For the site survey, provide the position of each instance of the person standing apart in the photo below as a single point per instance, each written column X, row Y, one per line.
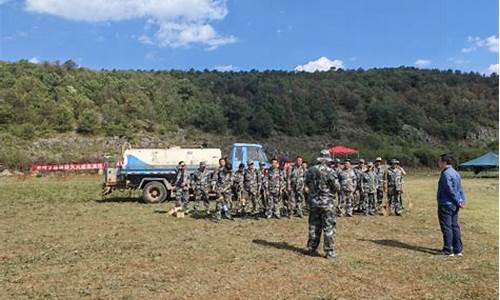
column 450, row 199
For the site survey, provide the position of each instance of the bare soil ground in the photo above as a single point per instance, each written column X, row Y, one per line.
column 59, row 241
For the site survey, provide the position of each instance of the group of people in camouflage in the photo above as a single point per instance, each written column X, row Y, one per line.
column 262, row 192
column 278, row 191
column 332, row 188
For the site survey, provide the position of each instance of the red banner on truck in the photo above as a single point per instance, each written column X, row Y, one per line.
column 68, row 167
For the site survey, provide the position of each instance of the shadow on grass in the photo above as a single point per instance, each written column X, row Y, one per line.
column 281, row 246
column 398, row 244
column 117, row 200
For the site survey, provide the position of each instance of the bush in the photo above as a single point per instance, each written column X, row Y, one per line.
column 90, row 122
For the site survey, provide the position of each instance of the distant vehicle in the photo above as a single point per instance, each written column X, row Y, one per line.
column 154, row 170
column 242, row 153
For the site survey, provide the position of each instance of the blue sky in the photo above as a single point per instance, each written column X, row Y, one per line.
column 253, row 34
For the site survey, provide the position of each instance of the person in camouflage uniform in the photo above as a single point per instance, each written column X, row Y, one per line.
column 238, row 189
column 369, row 189
column 222, row 183
column 380, row 174
column 322, row 185
column 338, row 167
column 275, row 186
column 263, row 188
column 286, row 196
column 297, row 179
column 200, row 181
column 358, row 200
column 348, row 185
column 251, row 184
column 394, row 186
column 182, row 184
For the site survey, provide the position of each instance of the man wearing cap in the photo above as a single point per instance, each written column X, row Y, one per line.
column 201, row 182
column 252, row 186
column 348, row 183
column 369, row 188
column 322, row 184
column 380, row 173
column 182, row 184
column 297, row 185
column 276, row 185
column 394, row 186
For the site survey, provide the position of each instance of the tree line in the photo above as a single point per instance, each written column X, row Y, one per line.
column 403, row 108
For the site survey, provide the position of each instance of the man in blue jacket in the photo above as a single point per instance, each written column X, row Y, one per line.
column 450, row 198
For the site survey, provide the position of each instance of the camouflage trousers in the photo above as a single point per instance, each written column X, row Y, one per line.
column 223, row 203
column 181, row 198
column 252, row 198
column 395, row 201
column 298, row 200
column 237, row 204
column 380, row 199
column 370, row 206
column 273, row 205
column 358, row 200
column 201, row 195
column 345, row 205
column 322, row 220
column 263, row 200
column 288, row 202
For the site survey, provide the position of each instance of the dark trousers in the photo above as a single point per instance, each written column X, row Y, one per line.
column 448, row 220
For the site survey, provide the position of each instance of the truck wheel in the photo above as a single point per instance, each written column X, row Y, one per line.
column 154, row 192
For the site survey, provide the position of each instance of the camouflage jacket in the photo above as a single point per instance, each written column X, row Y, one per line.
column 348, row 180
column 238, row 181
column 201, row 180
column 222, row 179
column 251, row 181
column 359, row 174
column 322, row 184
column 263, row 180
column 298, row 177
column 183, row 180
column 369, row 182
column 394, row 179
column 275, row 181
column 380, row 176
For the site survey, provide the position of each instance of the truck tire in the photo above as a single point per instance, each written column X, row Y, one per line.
column 154, row 192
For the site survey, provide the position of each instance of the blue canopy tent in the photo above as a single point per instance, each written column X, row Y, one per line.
column 481, row 163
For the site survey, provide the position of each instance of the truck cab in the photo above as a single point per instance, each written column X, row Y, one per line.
column 242, row 153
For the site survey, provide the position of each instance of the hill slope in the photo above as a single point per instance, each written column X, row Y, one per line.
column 52, row 112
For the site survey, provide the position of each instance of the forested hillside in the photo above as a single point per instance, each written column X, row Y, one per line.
column 405, row 112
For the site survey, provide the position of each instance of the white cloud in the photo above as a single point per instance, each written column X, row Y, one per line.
column 458, row 61
column 144, row 39
column 492, row 69
column 320, row 65
column 490, row 43
column 468, row 49
column 34, row 60
column 180, row 23
column 226, row 68
column 421, row 63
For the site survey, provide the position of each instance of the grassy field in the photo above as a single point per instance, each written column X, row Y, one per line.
column 59, row 241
